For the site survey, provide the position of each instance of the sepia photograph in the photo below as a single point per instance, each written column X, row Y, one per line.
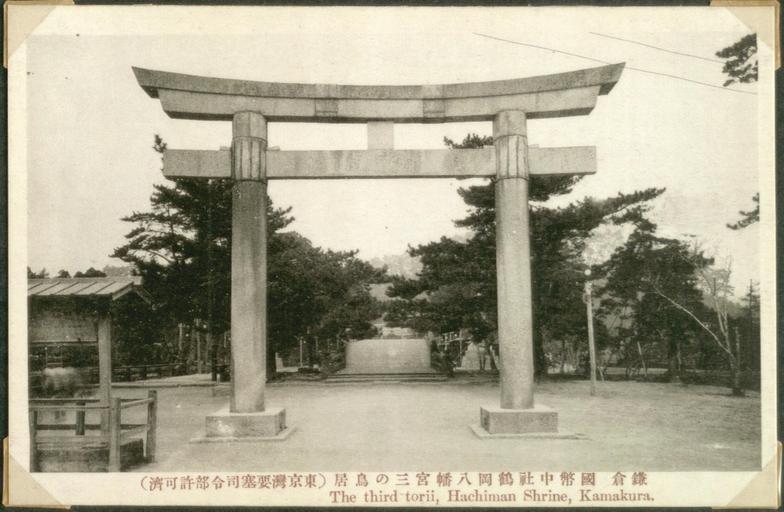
column 377, row 256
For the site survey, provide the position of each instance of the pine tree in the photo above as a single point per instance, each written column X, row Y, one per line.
column 456, row 287
column 748, row 217
column 643, row 278
column 182, row 248
column 742, row 64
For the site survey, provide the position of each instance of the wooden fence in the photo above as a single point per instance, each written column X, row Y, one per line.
column 146, row 371
column 88, row 375
column 114, row 432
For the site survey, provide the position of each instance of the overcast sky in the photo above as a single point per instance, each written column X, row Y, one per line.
column 91, row 127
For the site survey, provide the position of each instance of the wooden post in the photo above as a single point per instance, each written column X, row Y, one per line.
column 213, row 351
column 105, row 364
column 80, row 417
column 180, row 339
column 191, row 349
column 591, row 344
column 152, row 424
column 249, row 263
column 115, row 435
column 513, row 261
column 33, row 440
column 197, row 336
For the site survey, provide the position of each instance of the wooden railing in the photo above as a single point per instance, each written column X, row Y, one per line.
column 141, row 372
column 89, row 374
column 114, row 432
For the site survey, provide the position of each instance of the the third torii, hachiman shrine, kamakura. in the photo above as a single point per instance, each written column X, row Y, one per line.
column 251, row 105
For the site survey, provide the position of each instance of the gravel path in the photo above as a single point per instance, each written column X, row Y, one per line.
column 630, row 426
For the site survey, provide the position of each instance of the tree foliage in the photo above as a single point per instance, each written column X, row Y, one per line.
column 317, row 294
column 644, row 279
column 748, row 217
column 182, row 248
column 676, row 303
column 743, row 66
column 456, row 287
column 741, row 60
column 41, row 274
column 90, row 272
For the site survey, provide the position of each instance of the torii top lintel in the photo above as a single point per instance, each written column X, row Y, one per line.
column 557, row 95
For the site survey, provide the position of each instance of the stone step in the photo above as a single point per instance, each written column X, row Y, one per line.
column 385, row 377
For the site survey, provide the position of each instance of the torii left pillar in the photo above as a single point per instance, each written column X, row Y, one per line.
column 247, row 416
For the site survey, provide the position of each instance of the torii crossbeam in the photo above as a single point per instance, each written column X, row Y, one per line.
column 250, row 105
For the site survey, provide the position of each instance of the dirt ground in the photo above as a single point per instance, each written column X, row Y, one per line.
column 630, row 426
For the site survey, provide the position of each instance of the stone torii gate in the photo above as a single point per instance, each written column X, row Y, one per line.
column 251, row 105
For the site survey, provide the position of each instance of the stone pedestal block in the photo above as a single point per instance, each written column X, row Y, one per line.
column 235, row 425
column 538, row 419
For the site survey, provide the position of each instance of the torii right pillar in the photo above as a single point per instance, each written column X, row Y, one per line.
column 517, row 415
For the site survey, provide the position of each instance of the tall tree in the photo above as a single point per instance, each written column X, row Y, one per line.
column 317, row 294
column 167, row 245
column 722, row 329
column 182, row 248
column 642, row 279
column 750, row 327
column 457, row 284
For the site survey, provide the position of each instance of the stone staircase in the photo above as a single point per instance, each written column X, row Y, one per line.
column 384, row 360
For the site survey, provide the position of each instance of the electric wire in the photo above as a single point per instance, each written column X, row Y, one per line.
column 683, row 54
column 631, row 68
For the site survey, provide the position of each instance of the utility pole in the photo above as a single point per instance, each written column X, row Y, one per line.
column 591, row 345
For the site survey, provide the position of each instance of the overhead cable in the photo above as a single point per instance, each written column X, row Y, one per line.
column 676, row 77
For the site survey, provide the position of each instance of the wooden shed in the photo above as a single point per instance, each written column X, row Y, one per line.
column 73, row 316
column 69, row 319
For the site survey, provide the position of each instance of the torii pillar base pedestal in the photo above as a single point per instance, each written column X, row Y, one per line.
column 538, row 422
column 224, row 426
